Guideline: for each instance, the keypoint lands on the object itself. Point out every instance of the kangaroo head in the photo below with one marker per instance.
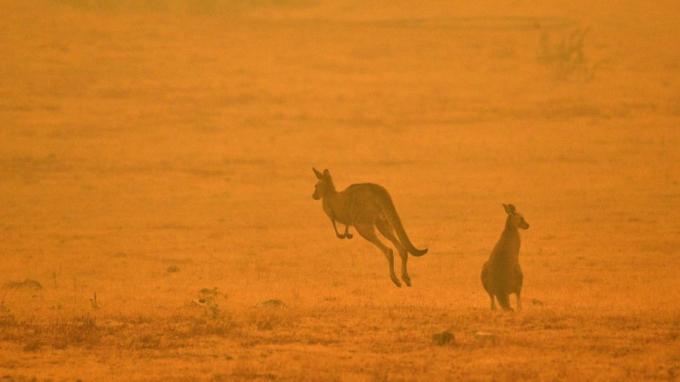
(323, 185)
(515, 219)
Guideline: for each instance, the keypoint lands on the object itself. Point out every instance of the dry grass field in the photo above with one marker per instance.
(156, 218)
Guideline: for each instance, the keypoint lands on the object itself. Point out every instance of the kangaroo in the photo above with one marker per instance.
(501, 274)
(367, 206)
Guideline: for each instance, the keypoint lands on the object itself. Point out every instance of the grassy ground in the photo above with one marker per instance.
(155, 178)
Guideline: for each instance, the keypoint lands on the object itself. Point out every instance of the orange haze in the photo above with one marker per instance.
(156, 214)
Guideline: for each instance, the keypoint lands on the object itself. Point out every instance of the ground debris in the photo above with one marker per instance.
(172, 269)
(209, 292)
(26, 284)
(443, 338)
(486, 337)
(273, 303)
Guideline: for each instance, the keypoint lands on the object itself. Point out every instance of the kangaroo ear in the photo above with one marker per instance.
(326, 173)
(318, 173)
(509, 209)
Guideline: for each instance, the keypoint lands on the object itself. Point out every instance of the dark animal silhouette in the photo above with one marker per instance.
(501, 274)
(367, 206)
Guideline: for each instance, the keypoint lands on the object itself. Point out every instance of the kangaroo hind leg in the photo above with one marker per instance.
(347, 234)
(520, 280)
(386, 230)
(367, 232)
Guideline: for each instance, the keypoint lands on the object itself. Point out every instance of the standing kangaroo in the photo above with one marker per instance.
(501, 274)
(367, 206)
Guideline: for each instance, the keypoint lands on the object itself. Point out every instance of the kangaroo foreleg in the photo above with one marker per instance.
(338, 234)
(347, 234)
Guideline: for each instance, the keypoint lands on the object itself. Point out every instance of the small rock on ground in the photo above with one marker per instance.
(273, 303)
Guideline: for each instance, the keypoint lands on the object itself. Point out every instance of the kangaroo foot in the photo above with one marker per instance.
(406, 279)
(396, 281)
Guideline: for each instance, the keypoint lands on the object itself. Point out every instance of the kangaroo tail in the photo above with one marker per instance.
(504, 301)
(391, 214)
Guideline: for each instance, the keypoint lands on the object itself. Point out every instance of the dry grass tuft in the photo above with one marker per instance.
(565, 55)
(172, 269)
(443, 338)
(79, 331)
(25, 284)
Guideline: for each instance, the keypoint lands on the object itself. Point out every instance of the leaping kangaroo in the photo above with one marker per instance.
(367, 206)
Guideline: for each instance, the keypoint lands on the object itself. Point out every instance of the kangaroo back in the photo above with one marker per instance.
(391, 213)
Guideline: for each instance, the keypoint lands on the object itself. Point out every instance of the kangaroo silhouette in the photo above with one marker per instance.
(501, 274)
(367, 206)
